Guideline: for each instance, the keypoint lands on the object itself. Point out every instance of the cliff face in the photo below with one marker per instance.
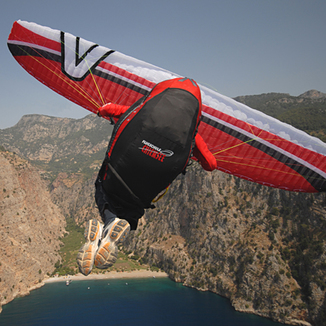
(31, 226)
(75, 196)
(246, 242)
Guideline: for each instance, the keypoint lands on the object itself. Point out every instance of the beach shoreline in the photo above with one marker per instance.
(106, 276)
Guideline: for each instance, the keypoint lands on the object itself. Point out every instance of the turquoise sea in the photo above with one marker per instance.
(152, 301)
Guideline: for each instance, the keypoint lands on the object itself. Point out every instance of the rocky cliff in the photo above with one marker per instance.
(31, 225)
(262, 248)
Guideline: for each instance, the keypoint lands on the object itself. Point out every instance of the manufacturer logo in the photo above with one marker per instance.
(155, 152)
(80, 57)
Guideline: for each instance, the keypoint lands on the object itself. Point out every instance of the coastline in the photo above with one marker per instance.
(80, 277)
(107, 275)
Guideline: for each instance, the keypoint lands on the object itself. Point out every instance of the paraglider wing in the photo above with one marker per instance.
(259, 148)
(81, 71)
(244, 141)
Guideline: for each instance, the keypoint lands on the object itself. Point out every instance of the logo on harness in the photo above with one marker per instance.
(154, 151)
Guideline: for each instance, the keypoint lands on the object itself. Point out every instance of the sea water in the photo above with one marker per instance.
(151, 301)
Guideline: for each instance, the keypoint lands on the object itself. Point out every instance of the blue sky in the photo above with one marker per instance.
(237, 47)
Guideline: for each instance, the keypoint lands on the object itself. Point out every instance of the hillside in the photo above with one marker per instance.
(306, 112)
(59, 145)
(262, 248)
(31, 226)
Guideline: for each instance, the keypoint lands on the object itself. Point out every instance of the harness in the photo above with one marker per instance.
(151, 143)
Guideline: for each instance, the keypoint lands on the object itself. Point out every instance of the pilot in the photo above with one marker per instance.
(150, 146)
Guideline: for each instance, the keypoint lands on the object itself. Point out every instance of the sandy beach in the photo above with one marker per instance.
(108, 275)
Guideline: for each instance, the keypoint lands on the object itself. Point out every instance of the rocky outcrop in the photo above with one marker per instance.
(31, 226)
(313, 94)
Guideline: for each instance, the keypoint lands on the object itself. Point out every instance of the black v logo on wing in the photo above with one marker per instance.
(79, 57)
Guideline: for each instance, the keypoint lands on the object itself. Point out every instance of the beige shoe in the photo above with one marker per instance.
(87, 253)
(113, 234)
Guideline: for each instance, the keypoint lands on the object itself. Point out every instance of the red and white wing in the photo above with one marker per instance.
(244, 141)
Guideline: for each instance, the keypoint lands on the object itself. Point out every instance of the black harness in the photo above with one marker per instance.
(150, 146)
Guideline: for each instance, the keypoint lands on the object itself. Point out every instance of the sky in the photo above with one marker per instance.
(236, 47)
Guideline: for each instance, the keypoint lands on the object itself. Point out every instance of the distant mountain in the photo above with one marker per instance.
(306, 112)
(59, 144)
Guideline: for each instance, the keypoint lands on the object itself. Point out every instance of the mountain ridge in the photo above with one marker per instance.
(306, 112)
